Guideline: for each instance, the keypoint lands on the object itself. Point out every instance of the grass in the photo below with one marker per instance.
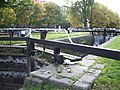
(58, 35)
(110, 76)
(45, 87)
(10, 42)
(50, 36)
(52, 87)
(30, 87)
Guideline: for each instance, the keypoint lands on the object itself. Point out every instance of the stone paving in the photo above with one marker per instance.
(81, 77)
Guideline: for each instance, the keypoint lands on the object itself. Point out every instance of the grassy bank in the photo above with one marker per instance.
(110, 76)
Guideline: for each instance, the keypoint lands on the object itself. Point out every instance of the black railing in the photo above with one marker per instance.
(57, 45)
(103, 52)
(13, 39)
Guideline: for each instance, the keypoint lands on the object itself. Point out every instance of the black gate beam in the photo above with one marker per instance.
(98, 51)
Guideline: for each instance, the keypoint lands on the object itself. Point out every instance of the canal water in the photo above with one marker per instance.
(99, 39)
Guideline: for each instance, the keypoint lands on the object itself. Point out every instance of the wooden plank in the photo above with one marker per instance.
(13, 54)
(98, 51)
(36, 59)
(49, 51)
(11, 46)
(1, 34)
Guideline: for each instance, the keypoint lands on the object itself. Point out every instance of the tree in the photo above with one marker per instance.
(63, 17)
(53, 13)
(23, 13)
(114, 19)
(103, 17)
(74, 18)
(18, 7)
(84, 8)
(38, 13)
(12, 3)
(99, 14)
(7, 17)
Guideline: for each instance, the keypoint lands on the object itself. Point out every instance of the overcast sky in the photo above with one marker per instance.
(111, 4)
(114, 5)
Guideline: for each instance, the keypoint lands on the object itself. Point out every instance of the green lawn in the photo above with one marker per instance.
(58, 35)
(50, 36)
(110, 76)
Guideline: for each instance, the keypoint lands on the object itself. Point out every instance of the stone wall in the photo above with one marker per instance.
(13, 71)
(87, 40)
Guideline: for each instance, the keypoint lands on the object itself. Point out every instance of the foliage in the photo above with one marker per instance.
(7, 17)
(37, 15)
(53, 14)
(73, 18)
(84, 8)
(23, 13)
(103, 17)
(13, 3)
(63, 18)
(29, 13)
(8, 3)
(16, 11)
(97, 15)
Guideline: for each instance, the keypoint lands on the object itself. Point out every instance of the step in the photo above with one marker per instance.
(65, 55)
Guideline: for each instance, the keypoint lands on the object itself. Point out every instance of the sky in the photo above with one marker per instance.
(114, 5)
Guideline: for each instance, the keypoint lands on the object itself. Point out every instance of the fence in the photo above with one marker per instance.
(57, 45)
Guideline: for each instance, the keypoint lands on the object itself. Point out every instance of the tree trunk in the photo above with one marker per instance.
(85, 23)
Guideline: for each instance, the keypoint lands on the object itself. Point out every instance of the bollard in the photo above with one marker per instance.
(104, 35)
(58, 59)
(43, 35)
(28, 53)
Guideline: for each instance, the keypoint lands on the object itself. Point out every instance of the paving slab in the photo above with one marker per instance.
(94, 72)
(76, 71)
(42, 74)
(98, 66)
(89, 57)
(61, 81)
(87, 78)
(80, 86)
(80, 77)
(87, 62)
